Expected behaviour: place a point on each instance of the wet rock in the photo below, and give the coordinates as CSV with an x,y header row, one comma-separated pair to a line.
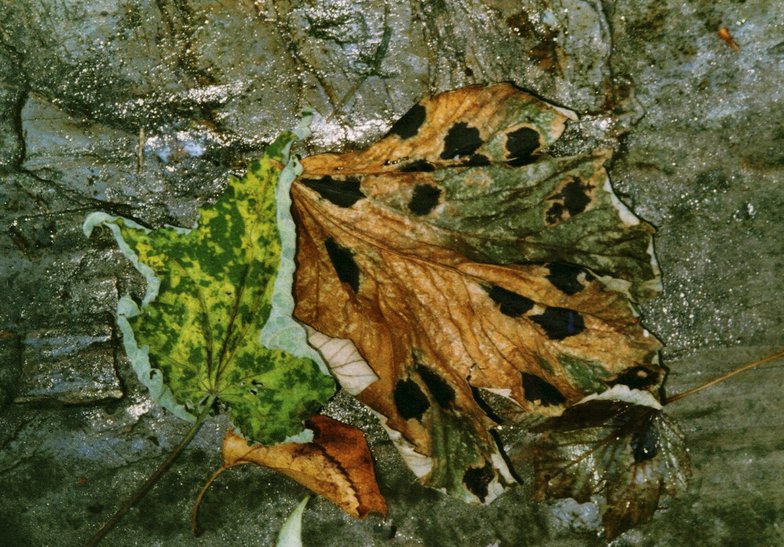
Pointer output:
x,y
68,366
58,146
10,364
704,165
133,172
142,108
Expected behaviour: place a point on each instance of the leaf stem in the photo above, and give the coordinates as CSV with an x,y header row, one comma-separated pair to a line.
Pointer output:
x,y
147,485
720,379
200,497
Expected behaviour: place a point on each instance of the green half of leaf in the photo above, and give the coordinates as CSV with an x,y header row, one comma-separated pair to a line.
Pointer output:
x,y
210,292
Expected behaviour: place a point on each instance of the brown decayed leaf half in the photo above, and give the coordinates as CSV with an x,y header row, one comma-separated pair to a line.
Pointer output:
x,y
337,464
375,266
630,454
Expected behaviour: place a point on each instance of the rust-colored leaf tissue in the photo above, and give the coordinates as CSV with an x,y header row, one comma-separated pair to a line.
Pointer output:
x,y
461,258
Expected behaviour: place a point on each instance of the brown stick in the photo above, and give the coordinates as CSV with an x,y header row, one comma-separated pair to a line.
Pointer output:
x,y
720,379
200,497
152,479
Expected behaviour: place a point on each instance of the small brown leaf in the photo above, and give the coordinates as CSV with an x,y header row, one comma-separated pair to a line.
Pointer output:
x,y
336,465
724,34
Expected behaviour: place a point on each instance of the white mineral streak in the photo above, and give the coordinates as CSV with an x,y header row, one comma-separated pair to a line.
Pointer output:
x,y
58,346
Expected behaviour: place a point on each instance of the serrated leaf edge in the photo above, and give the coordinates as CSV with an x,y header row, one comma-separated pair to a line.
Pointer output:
x,y
139,358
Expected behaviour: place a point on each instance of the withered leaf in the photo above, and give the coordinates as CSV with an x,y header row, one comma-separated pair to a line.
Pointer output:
x,y
629,453
337,464
456,254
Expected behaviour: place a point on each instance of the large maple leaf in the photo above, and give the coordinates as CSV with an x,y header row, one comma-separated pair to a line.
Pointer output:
x,y
210,291
459,256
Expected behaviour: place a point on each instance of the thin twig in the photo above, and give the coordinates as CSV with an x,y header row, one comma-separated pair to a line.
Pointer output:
x,y
200,497
720,379
145,487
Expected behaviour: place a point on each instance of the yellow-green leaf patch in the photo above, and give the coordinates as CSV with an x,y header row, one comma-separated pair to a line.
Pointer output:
x,y
210,292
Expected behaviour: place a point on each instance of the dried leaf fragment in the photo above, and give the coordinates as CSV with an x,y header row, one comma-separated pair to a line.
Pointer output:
x,y
724,34
337,464
629,453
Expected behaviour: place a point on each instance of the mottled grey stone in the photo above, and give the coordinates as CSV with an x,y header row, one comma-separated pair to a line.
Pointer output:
x,y
142,108
10,365
68,367
57,145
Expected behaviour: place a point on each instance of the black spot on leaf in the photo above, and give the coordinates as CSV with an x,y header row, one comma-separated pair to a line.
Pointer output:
x,y
442,392
575,196
554,213
461,140
511,303
343,261
638,377
476,160
565,277
342,194
408,125
425,199
573,199
477,480
409,399
417,166
521,144
645,444
560,323
537,389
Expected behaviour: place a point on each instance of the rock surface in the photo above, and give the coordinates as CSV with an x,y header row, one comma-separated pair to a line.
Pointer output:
x,y
143,108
